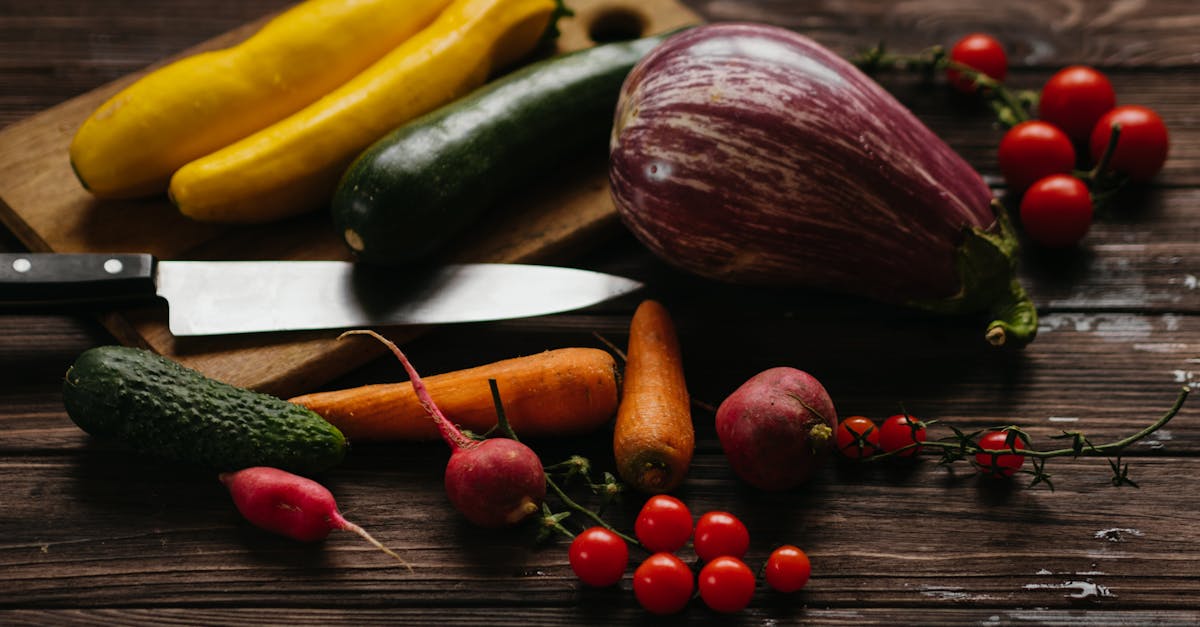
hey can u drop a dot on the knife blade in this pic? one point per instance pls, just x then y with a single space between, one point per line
231 297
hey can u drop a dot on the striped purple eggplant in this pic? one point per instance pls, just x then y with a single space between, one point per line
748 153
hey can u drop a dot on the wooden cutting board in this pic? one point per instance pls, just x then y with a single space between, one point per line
44 205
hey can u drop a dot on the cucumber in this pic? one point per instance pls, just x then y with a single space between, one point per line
165 410
411 191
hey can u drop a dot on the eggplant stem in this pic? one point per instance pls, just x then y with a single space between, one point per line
987 276
1015 321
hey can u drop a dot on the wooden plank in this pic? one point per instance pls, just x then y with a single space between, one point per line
47 209
594 608
58 49
123 532
119 532
94 535
1106 33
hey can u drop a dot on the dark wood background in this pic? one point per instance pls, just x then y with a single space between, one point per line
89 534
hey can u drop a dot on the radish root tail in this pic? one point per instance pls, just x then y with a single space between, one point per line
346 525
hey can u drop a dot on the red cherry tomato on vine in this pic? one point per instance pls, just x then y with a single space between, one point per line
663 584
598 557
900 431
980 52
788 569
1056 211
664 524
1033 150
726 584
857 437
1074 99
1142 147
999 465
720 534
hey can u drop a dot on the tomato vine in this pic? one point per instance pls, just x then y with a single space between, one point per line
960 445
1079 101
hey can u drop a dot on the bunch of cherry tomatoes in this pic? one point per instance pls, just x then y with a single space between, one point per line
1076 114
665 584
901 435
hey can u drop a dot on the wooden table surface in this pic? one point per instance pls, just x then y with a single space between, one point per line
90 534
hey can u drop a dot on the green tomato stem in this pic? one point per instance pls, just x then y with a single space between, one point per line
968 447
1102 165
571 504
574 462
1011 107
1011 112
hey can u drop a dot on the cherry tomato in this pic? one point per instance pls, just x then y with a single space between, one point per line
1074 99
1143 145
1056 211
900 431
1033 150
980 52
598 557
857 437
664 524
720 534
726 584
663 584
999 465
788 569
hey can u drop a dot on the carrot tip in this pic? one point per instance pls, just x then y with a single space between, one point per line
653 476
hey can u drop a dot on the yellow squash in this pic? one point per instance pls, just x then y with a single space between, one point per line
293 165
134 142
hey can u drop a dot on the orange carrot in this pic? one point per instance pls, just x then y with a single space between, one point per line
654 438
568 391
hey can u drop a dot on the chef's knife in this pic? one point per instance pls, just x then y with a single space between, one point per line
226 297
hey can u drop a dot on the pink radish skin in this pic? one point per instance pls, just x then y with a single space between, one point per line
776 428
495 482
289 505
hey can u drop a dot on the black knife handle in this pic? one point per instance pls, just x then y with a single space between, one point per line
70 278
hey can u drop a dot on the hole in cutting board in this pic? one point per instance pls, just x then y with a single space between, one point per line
616 24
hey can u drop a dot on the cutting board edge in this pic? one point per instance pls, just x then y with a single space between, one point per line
58 122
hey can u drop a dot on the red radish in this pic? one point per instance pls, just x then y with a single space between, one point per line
494 482
750 154
776 428
289 505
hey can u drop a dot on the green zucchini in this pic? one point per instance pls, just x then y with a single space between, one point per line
411 191
165 410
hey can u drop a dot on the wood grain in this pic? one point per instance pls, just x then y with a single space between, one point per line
897 539
93 535
596 612
1113 34
48 210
